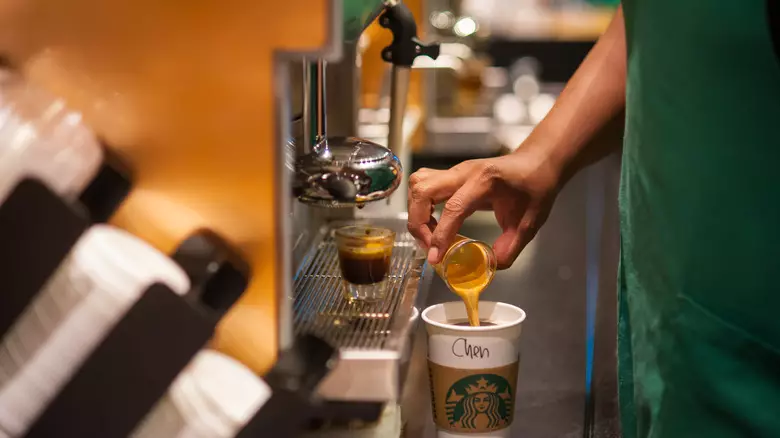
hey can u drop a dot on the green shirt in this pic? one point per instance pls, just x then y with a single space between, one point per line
699 290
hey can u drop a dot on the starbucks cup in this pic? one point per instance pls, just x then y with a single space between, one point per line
473 370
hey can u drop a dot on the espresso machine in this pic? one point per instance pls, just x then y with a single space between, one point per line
238 119
334 178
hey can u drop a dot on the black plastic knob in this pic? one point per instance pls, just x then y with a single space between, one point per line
405 46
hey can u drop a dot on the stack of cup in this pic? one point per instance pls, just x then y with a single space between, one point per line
473 370
41 138
214 397
106 272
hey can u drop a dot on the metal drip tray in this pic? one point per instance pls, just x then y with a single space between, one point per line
373 338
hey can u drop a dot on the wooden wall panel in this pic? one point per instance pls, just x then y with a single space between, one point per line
186 92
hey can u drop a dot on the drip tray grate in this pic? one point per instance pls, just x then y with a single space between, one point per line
321 309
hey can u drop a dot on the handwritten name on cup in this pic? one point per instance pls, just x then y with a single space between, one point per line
462 348
467 351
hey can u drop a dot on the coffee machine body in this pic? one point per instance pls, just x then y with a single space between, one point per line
207 103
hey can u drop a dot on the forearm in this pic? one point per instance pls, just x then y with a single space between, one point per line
581 128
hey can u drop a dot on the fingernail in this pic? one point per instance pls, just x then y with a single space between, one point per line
433 255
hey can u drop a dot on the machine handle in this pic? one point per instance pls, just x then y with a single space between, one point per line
405 46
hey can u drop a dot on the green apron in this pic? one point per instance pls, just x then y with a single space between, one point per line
699 290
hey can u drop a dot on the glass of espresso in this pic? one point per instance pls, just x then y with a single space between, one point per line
365 252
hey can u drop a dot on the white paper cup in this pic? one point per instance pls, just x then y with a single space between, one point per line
41 138
214 397
104 275
473 370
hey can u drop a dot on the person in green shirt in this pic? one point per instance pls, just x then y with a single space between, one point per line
696 84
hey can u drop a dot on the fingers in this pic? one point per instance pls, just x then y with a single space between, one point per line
461 205
427 188
484 205
515 238
419 209
431 225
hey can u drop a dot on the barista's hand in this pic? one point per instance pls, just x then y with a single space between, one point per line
520 188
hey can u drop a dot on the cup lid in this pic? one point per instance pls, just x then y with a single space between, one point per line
198 418
220 389
125 265
230 384
43 138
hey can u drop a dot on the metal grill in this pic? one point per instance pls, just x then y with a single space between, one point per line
321 308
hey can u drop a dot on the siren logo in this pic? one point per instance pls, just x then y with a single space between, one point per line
480 402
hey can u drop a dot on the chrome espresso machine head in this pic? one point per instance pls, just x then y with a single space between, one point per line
339 171
348 171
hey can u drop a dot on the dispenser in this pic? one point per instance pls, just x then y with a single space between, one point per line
197 100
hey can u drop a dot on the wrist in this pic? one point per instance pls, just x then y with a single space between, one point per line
551 150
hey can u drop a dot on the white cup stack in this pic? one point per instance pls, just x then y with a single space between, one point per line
41 138
214 397
106 272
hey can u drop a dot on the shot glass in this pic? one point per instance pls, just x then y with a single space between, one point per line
473 370
365 252
468 268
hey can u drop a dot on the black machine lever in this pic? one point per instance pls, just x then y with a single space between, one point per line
405 46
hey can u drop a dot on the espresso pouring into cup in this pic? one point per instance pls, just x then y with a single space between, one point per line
468 268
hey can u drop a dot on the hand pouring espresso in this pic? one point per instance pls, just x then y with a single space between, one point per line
468 268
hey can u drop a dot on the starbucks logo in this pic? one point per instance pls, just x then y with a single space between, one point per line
480 402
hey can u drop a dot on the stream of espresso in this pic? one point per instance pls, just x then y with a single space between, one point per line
467 274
